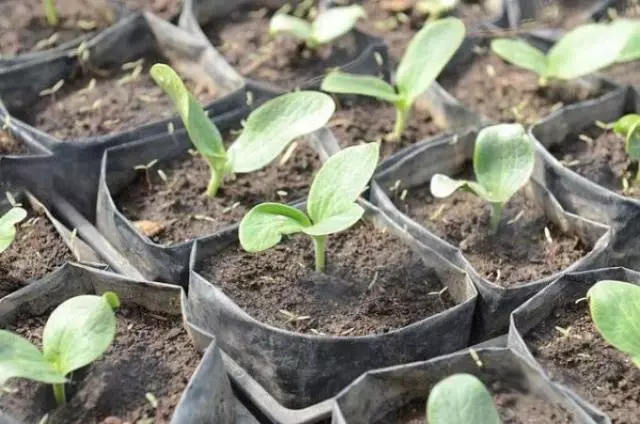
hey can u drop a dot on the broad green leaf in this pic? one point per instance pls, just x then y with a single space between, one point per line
203 133
265 224
336 223
624 124
8 223
366 85
275 124
426 56
586 49
461 398
522 54
335 22
341 180
615 310
78 332
632 142
297 27
443 186
631 50
503 160
19 358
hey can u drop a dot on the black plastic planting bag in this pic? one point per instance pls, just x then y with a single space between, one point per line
378 393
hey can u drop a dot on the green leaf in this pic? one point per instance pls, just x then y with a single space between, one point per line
8 223
340 181
335 22
297 27
265 224
632 142
275 124
461 398
615 310
443 186
336 223
587 49
624 124
522 54
78 332
19 358
631 50
426 56
435 8
366 85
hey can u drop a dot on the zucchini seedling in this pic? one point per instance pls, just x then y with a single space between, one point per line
51 12
427 54
615 311
503 161
629 127
331 206
327 26
267 131
8 223
461 398
580 52
77 333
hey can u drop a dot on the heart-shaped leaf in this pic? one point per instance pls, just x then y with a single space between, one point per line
522 54
335 22
336 223
365 85
8 223
265 224
21 359
461 398
297 27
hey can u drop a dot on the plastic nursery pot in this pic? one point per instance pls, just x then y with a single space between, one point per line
508 267
399 394
266 338
592 370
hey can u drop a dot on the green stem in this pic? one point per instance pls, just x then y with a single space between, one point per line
59 394
496 215
319 249
214 182
637 179
50 12
402 119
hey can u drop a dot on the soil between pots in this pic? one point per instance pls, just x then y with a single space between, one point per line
183 212
338 301
151 353
166 9
10 145
624 73
584 362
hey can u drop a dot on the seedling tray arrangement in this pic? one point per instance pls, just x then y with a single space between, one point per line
376 211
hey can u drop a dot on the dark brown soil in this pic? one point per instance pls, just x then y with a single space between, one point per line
583 361
166 9
506 93
23 26
624 73
371 120
151 354
185 213
519 252
114 104
244 41
630 9
37 250
9 145
339 301
565 14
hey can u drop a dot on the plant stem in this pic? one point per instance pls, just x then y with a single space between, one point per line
637 179
59 394
496 215
214 182
402 118
319 248
50 12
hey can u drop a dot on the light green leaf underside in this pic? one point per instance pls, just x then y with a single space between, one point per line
299 28
265 224
365 85
8 223
21 359
631 50
461 398
443 186
522 54
336 223
335 22
624 124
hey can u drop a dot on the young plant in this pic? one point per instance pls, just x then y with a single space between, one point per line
629 127
461 398
327 27
50 12
267 131
77 333
331 206
503 160
8 223
427 54
580 52
615 310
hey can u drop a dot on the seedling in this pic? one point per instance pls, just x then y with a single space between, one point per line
629 127
50 12
427 54
8 223
327 27
461 398
615 310
267 131
77 333
503 160
580 52
331 206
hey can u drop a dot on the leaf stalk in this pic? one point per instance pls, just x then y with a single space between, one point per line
402 119
59 393
50 12
496 215
319 250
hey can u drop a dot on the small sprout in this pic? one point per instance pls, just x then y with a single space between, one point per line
51 12
8 223
564 331
615 310
146 168
629 127
152 399
503 161
77 333
327 27
461 398
436 8
427 54
331 206
580 52
267 132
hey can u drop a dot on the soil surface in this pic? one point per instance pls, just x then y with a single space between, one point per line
10 145
37 250
95 105
564 14
24 28
166 9
151 353
630 9
180 210
506 93
519 252
583 361
243 39
624 73
279 284
370 120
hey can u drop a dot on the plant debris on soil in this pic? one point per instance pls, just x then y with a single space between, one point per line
578 357
166 9
183 212
563 14
151 353
372 284
10 145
